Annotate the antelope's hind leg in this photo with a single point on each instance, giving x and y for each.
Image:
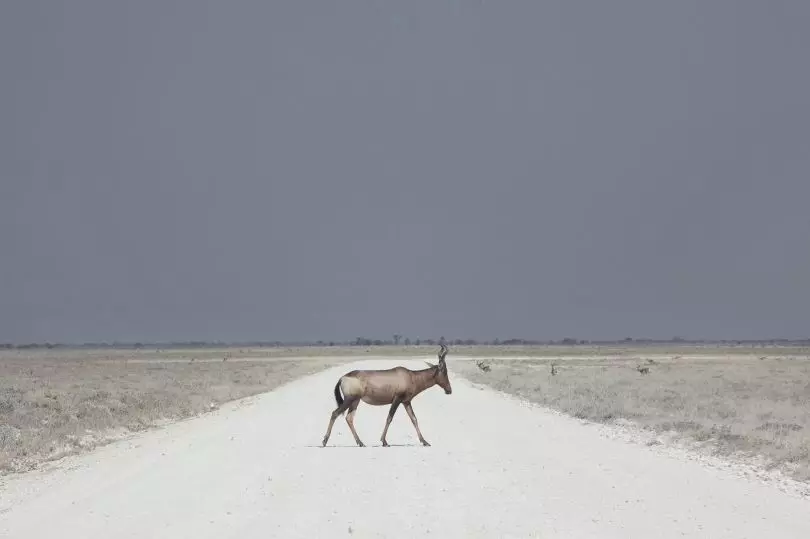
(350, 421)
(339, 410)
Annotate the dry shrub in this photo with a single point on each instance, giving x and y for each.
(50, 407)
(735, 405)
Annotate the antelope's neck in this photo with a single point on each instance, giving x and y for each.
(424, 379)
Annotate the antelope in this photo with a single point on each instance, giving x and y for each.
(389, 386)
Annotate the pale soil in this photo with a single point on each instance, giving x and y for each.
(745, 402)
(744, 408)
(54, 405)
(498, 467)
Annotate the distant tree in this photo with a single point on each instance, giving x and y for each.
(397, 338)
(407, 341)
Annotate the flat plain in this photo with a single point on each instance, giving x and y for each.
(748, 403)
(742, 404)
(498, 466)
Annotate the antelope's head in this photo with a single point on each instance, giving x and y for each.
(442, 378)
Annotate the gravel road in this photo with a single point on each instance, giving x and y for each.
(497, 468)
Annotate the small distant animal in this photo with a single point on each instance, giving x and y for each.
(387, 386)
(643, 370)
(553, 369)
(483, 366)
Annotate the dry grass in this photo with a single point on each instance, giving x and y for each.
(751, 400)
(752, 405)
(52, 406)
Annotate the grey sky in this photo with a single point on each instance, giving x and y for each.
(325, 170)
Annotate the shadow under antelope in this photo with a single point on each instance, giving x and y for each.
(387, 386)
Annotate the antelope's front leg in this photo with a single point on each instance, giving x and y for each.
(409, 409)
(391, 413)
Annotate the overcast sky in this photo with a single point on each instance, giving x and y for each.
(327, 170)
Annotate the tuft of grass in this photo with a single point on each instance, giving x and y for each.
(51, 407)
(735, 405)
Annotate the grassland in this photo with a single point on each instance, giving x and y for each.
(752, 404)
(53, 403)
(750, 401)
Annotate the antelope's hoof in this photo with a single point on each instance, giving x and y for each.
(425, 443)
(385, 444)
(361, 444)
(323, 444)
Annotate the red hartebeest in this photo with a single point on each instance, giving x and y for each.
(389, 386)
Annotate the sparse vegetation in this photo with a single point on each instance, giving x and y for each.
(51, 406)
(746, 404)
(734, 399)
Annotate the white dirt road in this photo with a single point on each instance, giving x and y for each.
(496, 468)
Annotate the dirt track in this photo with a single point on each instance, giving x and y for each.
(497, 468)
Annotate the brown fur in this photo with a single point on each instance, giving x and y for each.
(386, 387)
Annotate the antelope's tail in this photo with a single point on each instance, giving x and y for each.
(338, 397)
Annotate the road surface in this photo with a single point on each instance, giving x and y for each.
(497, 468)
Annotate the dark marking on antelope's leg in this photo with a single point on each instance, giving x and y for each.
(350, 421)
(391, 413)
(409, 409)
(339, 410)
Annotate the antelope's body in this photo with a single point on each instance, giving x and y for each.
(386, 387)
(379, 387)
